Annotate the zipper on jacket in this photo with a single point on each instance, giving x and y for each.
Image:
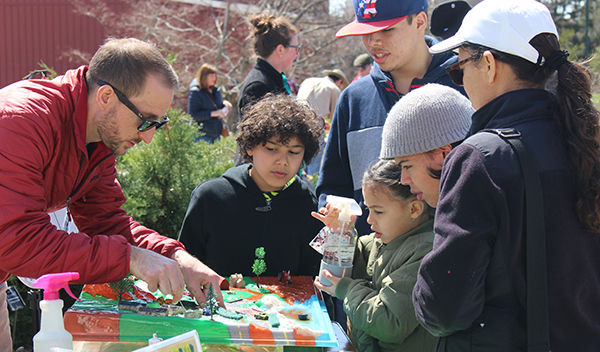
(266, 208)
(73, 190)
(77, 187)
(65, 226)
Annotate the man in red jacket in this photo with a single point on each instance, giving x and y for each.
(58, 141)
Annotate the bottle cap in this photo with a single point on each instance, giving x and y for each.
(347, 206)
(52, 283)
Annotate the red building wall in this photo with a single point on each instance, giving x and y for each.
(43, 30)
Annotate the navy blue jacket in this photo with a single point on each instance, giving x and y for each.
(472, 287)
(355, 137)
(201, 102)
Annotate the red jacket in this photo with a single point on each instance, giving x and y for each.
(45, 166)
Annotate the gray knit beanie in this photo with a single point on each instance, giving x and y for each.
(425, 119)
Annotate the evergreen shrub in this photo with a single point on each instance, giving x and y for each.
(158, 178)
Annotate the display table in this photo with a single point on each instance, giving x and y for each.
(343, 341)
(295, 316)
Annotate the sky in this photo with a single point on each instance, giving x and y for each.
(335, 5)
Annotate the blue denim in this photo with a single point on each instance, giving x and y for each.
(210, 140)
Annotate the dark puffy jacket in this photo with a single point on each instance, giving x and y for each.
(201, 103)
(471, 288)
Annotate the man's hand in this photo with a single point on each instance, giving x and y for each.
(196, 275)
(158, 271)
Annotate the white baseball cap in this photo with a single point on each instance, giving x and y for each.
(503, 25)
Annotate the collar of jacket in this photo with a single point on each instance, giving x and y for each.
(74, 81)
(435, 71)
(513, 108)
(268, 70)
(427, 226)
(79, 93)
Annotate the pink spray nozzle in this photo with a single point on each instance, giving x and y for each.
(52, 283)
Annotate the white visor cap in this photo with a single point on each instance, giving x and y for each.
(503, 25)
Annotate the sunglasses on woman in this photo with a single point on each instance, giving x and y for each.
(456, 71)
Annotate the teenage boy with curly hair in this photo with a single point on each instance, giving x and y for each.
(262, 203)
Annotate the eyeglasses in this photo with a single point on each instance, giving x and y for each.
(147, 123)
(456, 71)
(297, 47)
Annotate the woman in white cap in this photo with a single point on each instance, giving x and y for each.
(472, 289)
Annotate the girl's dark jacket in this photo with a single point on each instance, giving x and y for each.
(228, 218)
(471, 289)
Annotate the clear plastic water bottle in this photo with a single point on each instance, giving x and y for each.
(339, 244)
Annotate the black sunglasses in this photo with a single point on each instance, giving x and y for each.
(456, 71)
(147, 123)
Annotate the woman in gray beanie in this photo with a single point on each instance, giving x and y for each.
(420, 131)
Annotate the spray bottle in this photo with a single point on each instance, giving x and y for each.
(338, 248)
(52, 328)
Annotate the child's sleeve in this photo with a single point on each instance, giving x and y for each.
(364, 342)
(361, 259)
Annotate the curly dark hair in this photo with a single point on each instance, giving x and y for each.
(278, 116)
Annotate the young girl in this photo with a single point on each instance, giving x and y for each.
(377, 299)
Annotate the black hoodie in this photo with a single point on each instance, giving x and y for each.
(228, 218)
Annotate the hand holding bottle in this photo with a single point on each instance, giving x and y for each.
(339, 236)
(220, 113)
(334, 280)
(329, 216)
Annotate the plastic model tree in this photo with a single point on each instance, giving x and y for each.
(259, 266)
(123, 286)
(211, 301)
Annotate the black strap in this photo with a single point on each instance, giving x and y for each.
(538, 338)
